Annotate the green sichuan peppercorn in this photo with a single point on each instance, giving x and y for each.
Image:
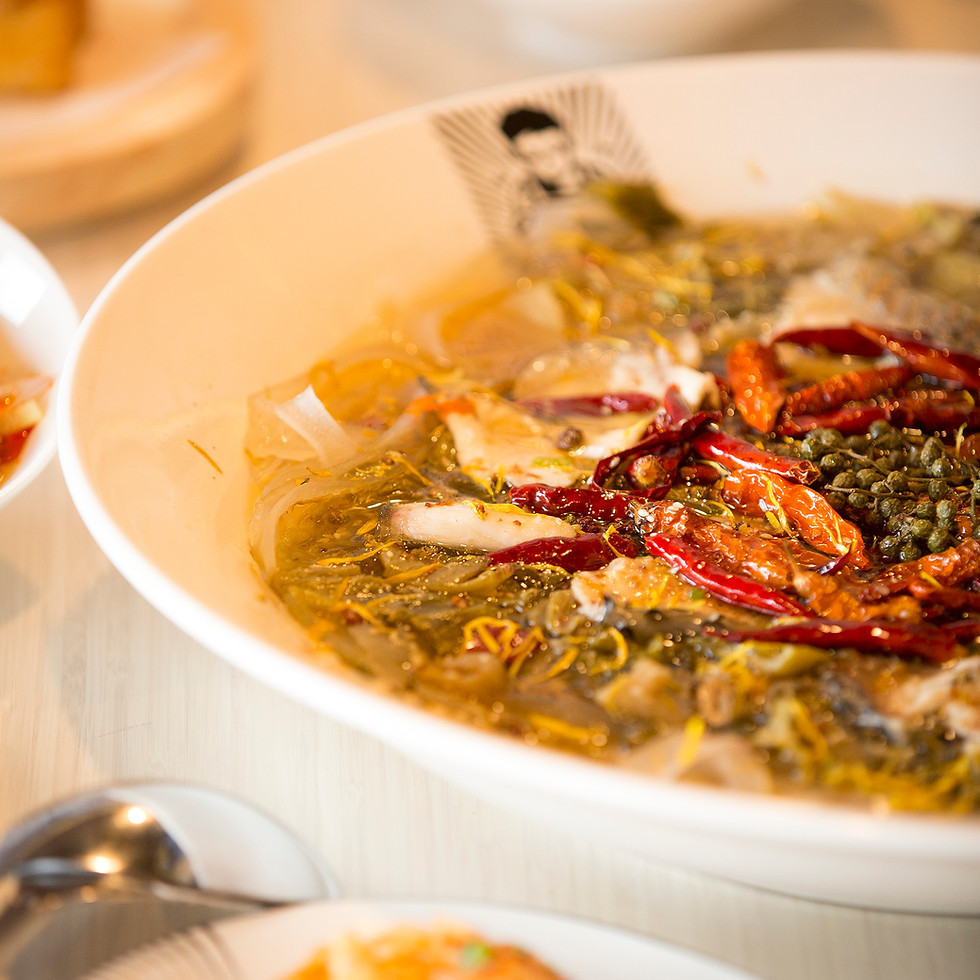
(926, 510)
(887, 440)
(946, 512)
(830, 438)
(920, 529)
(890, 507)
(833, 463)
(931, 451)
(873, 521)
(810, 449)
(909, 551)
(897, 481)
(898, 458)
(896, 522)
(860, 500)
(890, 546)
(939, 540)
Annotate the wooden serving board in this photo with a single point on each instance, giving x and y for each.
(157, 100)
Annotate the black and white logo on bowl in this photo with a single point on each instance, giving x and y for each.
(514, 155)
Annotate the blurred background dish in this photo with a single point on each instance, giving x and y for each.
(141, 101)
(581, 32)
(153, 419)
(37, 323)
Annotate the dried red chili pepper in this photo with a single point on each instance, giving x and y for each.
(659, 436)
(697, 472)
(956, 366)
(782, 564)
(848, 421)
(608, 403)
(688, 563)
(944, 601)
(676, 405)
(939, 410)
(756, 381)
(948, 568)
(738, 454)
(963, 629)
(936, 410)
(836, 340)
(814, 520)
(923, 640)
(652, 476)
(582, 553)
(851, 386)
(605, 507)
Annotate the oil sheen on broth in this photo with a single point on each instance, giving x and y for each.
(696, 498)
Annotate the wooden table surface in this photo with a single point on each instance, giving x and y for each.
(96, 686)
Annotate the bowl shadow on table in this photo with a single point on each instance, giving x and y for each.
(18, 594)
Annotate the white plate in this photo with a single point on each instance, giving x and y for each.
(270, 945)
(37, 324)
(253, 285)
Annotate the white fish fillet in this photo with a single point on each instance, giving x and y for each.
(953, 693)
(499, 439)
(592, 369)
(873, 291)
(472, 525)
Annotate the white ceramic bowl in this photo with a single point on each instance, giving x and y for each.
(37, 324)
(254, 284)
(586, 32)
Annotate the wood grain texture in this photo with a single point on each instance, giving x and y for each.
(158, 99)
(96, 686)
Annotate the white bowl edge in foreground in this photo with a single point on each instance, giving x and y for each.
(255, 283)
(274, 944)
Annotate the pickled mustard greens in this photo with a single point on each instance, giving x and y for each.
(696, 498)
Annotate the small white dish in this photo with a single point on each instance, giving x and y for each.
(579, 33)
(258, 282)
(38, 322)
(272, 945)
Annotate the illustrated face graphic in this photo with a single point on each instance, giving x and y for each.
(516, 156)
(550, 155)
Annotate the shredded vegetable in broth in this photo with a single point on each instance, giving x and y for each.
(695, 498)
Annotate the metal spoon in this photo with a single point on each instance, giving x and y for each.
(143, 858)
